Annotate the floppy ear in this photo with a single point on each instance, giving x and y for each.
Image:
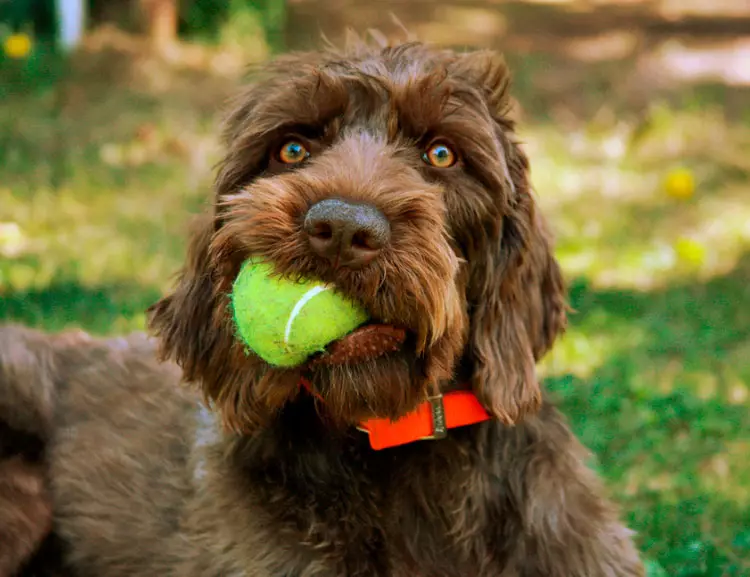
(194, 322)
(516, 291)
(196, 331)
(185, 321)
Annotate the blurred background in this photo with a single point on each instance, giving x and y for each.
(636, 115)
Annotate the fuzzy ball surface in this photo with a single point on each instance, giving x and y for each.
(285, 321)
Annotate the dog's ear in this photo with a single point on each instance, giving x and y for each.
(184, 320)
(516, 291)
(196, 331)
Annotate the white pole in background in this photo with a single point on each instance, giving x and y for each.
(71, 18)
(71, 24)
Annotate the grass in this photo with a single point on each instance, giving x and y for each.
(653, 373)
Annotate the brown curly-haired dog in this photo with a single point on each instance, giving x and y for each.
(392, 173)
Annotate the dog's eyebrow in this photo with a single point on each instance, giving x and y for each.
(307, 130)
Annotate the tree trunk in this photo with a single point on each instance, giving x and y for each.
(160, 19)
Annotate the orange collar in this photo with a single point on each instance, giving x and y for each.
(429, 421)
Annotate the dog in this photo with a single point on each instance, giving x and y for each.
(391, 172)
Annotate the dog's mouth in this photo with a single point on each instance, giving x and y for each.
(365, 343)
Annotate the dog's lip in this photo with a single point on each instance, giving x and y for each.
(367, 342)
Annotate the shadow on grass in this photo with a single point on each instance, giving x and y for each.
(653, 450)
(675, 456)
(691, 318)
(100, 309)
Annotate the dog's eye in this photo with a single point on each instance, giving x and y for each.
(293, 152)
(440, 155)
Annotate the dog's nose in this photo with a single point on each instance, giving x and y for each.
(346, 233)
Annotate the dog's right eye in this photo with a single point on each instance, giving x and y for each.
(293, 152)
(440, 155)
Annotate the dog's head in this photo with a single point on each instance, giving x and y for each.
(392, 173)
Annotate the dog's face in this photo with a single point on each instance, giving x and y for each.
(392, 174)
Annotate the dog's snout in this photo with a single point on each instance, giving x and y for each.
(346, 233)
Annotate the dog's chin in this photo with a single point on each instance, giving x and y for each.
(385, 386)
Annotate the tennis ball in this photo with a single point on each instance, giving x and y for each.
(285, 321)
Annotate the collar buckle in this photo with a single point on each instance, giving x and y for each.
(439, 427)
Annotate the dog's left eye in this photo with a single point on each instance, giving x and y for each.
(440, 155)
(293, 152)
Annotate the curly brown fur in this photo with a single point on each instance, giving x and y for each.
(25, 512)
(277, 483)
(27, 383)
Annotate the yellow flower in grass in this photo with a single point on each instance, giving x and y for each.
(17, 45)
(680, 184)
(690, 251)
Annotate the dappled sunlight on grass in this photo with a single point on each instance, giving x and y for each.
(134, 234)
(726, 473)
(655, 369)
(98, 182)
(666, 410)
(589, 343)
(616, 221)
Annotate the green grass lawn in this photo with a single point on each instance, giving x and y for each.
(653, 373)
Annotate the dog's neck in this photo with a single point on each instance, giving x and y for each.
(302, 426)
(304, 457)
(429, 421)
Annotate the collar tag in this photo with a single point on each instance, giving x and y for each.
(439, 426)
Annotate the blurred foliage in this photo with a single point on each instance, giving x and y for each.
(38, 71)
(37, 66)
(654, 372)
(233, 21)
(20, 14)
(244, 23)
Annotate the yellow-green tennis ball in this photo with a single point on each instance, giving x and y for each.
(284, 321)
